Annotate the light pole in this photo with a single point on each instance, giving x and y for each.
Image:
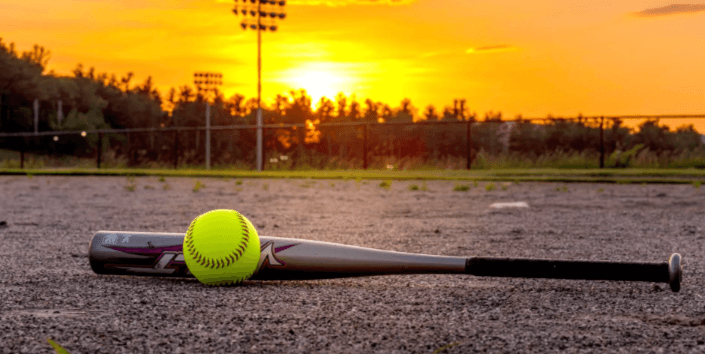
(260, 15)
(207, 82)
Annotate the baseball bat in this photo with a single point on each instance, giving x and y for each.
(160, 254)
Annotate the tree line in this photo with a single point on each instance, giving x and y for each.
(89, 100)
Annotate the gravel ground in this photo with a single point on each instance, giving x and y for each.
(49, 291)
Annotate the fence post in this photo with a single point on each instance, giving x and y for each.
(100, 148)
(469, 143)
(364, 146)
(208, 135)
(602, 142)
(261, 157)
(176, 149)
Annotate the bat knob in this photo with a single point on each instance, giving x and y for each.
(675, 272)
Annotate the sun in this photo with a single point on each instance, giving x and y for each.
(318, 81)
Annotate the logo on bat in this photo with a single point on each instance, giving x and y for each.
(170, 259)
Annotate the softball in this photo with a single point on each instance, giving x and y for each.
(221, 247)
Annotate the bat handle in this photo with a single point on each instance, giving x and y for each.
(666, 272)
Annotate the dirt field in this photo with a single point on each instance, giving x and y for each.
(47, 289)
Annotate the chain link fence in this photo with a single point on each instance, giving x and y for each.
(582, 142)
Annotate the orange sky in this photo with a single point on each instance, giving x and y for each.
(559, 57)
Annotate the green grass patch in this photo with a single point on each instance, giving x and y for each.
(59, 349)
(461, 188)
(626, 175)
(198, 186)
(562, 189)
(445, 348)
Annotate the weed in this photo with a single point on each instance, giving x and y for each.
(461, 188)
(162, 179)
(59, 349)
(445, 347)
(386, 185)
(238, 189)
(332, 184)
(562, 189)
(238, 182)
(696, 184)
(490, 187)
(265, 187)
(29, 175)
(166, 187)
(601, 190)
(424, 187)
(198, 185)
(475, 184)
(148, 187)
(413, 187)
(130, 187)
(505, 187)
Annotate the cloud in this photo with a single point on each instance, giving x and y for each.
(671, 10)
(491, 49)
(336, 3)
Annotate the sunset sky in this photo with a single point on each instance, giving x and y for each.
(534, 58)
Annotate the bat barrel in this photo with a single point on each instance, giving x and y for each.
(667, 272)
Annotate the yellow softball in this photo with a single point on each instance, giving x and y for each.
(221, 247)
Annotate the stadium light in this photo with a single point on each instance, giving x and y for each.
(259, 15)
(207, 83)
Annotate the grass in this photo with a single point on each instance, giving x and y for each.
(197, 186)
(490, 187)
(461, 188)
(562, 189)
(131, 185)
(413, 187)
(445, 348)
(59, 349)
(627, 175)
(386, 185)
